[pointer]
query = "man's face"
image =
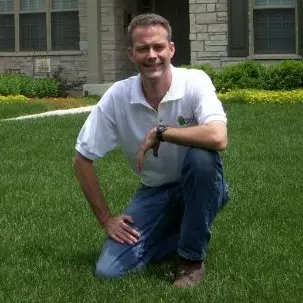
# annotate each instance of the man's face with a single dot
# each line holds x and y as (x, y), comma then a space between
(151, 51)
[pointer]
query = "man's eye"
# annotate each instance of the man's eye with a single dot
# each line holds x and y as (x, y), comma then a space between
(142, 49)
(158, 47)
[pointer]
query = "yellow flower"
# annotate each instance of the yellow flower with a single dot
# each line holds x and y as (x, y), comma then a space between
(10, 99)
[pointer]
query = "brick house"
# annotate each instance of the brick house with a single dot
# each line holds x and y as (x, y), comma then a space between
(87, 38)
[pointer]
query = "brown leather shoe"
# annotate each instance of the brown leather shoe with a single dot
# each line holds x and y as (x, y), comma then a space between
(189, 274)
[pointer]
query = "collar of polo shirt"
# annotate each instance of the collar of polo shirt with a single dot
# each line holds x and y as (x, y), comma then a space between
(175, 92)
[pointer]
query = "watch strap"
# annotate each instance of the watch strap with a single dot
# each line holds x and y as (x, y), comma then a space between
(159, 132)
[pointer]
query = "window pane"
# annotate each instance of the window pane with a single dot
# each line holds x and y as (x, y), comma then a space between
(64, 4)
(32, 5)
(274, 2)
(7, 33)
(65, 30)
(274, 31)
(6, 5)
(32, 32)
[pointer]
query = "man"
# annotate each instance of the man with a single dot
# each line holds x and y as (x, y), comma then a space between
(170, 125)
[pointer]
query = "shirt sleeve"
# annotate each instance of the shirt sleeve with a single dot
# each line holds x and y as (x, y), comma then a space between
(205, 103)
(99, 133)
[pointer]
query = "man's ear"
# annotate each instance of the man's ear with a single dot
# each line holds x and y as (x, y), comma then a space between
(130, 53)
(172, 49)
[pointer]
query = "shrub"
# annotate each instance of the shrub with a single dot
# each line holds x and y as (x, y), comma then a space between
(13, 99)
(262, 96)
(246, 74)
(14, 84)
(286, 75)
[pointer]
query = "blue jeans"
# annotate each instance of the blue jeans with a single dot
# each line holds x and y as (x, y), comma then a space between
(173, 218)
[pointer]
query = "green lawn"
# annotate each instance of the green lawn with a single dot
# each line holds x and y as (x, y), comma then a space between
(49, 239)
(36, 106)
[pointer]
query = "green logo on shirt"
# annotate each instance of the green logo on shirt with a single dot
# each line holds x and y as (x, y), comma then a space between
(185, 121)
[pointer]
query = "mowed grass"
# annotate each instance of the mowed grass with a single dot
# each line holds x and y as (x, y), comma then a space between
(35, 106)
(49, 239)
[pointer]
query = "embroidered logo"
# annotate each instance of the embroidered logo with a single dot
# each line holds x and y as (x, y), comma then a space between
(185, 121)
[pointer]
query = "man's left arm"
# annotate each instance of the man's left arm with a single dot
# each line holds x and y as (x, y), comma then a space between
(212, 135)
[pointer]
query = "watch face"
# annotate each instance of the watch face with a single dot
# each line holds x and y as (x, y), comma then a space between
(160, 130)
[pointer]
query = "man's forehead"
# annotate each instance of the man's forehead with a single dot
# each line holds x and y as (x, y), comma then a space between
(149, 30)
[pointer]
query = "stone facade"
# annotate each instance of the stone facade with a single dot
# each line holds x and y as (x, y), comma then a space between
(102, 56)
(114, 14)
(209, 32)
(113, 34)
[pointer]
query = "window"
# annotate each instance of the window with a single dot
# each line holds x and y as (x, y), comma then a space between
(39, 25)
(32, 32)
(7, 33)
(6, 6)
(7, 26)
(274, 26)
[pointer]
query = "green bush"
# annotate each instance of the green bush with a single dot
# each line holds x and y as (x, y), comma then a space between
(15, 84)
(246, 74)
(286, 75)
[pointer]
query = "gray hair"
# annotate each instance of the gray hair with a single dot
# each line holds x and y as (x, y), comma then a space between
(146, 20)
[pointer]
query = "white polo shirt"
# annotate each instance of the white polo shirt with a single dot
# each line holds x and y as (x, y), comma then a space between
(123, 117)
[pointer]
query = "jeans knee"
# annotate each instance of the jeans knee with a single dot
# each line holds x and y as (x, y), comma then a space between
(202, 161)
(108, 265)
(104, 271)
(117, 260)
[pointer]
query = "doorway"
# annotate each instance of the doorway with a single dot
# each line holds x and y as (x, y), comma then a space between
(177, 13)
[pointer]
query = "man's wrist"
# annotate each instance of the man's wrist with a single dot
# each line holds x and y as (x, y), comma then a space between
(159, 132)
(105, 220)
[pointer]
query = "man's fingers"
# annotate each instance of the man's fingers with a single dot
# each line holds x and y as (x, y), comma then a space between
(140, 157)
(128, 228)
(124, 237)
(117, 239)
(131, 231)
(127, 218)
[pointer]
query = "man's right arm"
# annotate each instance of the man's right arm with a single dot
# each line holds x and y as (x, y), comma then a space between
(89, 183)
(116, 227)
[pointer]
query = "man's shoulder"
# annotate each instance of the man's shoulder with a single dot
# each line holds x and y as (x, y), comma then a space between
(122, 87)
(192, 79)
(191, 73)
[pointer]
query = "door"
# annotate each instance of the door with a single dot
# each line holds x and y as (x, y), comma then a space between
(177, 13)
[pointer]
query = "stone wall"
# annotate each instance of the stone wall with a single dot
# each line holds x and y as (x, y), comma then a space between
(74, 63)
(115, 62)
(208, 32)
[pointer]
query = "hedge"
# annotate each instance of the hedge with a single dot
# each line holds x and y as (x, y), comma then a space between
(250, 96)
(286, 75)
(15, 84)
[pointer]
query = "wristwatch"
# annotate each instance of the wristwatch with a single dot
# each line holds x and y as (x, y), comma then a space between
(159, 132)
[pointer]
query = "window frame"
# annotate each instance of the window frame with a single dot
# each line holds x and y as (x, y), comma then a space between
(252, 9)
(48, 11)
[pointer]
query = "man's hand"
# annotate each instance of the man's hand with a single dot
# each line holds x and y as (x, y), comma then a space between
(118, 229)
(150, 142)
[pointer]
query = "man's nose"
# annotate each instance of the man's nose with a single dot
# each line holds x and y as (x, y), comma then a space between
(151, 53)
